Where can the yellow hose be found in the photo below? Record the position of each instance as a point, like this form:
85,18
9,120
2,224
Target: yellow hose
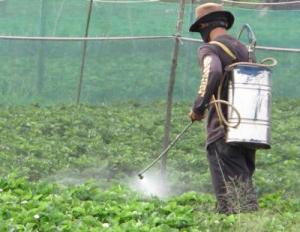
261,64
220,114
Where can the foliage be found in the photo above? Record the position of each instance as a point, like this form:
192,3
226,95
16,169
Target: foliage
74,145
112,142
47,207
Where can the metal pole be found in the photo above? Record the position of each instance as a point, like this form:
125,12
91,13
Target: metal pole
41,54
84,51
165,151
171,86
189,56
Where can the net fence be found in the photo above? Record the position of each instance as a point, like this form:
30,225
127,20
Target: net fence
47,71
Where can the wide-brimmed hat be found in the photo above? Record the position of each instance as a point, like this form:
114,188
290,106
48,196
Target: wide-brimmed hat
210,12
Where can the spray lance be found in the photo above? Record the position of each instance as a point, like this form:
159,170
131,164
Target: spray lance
164,152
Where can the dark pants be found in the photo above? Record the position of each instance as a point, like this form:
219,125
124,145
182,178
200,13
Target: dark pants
231,169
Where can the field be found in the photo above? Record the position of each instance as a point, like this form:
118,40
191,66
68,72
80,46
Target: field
70,168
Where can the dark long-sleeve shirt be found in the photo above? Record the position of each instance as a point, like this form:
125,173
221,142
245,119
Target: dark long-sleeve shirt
213,61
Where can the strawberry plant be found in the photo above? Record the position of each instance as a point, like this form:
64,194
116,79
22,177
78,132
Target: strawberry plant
67,168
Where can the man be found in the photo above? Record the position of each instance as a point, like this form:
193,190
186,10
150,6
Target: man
231,166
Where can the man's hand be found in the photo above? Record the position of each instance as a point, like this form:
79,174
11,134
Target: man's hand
195,117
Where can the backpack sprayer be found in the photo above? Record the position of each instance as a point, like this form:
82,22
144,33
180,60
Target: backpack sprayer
249,101
249,98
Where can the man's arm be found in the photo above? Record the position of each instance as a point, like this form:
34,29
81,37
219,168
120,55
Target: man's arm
211,69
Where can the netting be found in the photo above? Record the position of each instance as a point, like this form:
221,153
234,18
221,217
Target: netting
47,71
124,76
115,71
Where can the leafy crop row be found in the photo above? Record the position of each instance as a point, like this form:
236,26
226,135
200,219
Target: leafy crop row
108,144
46,207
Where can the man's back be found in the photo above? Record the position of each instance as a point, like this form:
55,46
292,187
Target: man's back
215,130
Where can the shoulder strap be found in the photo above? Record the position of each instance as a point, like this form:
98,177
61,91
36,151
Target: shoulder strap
224,48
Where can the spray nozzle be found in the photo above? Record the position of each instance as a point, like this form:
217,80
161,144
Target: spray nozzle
140,176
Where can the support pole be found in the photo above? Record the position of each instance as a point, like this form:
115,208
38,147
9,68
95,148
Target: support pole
187,69
172,78
41,54
84,51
